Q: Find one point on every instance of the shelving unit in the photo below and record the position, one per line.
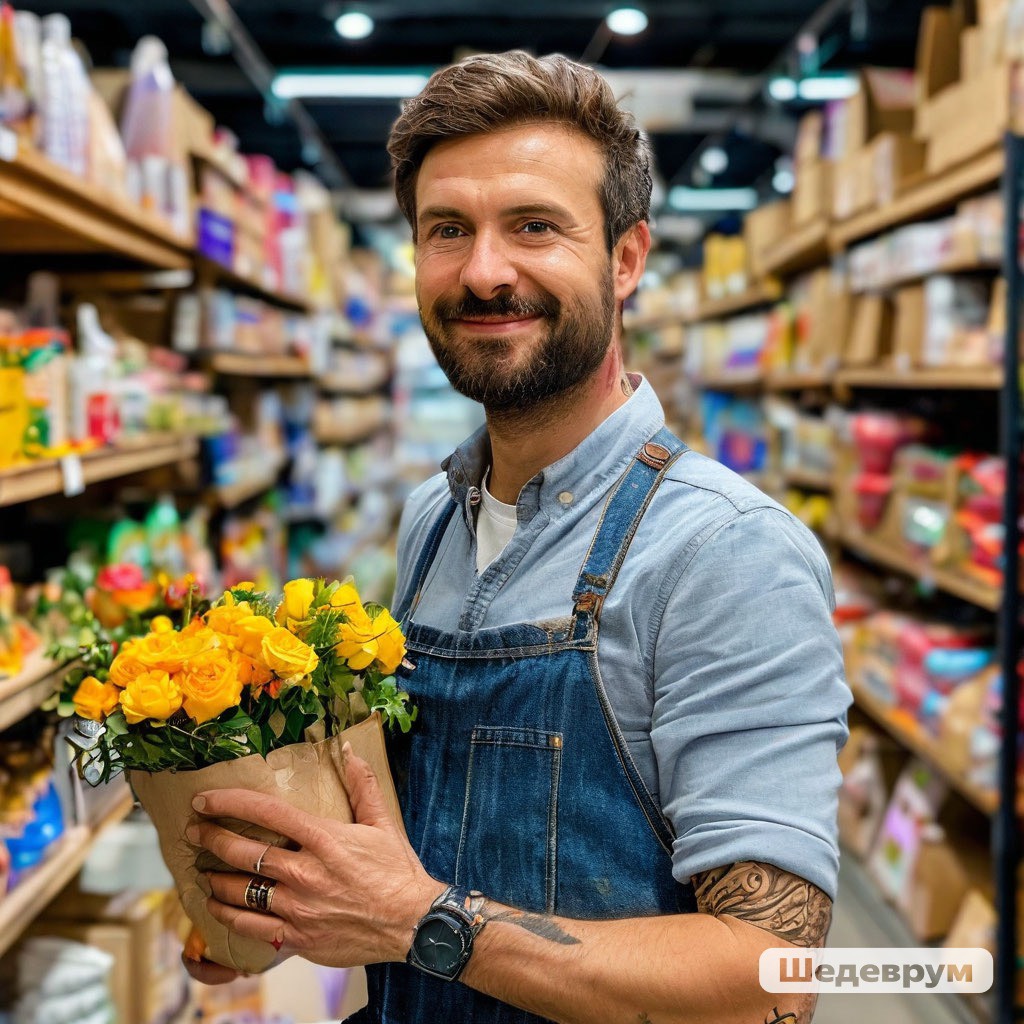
(966, 265)
(46, 209)
(970, 378)
(50, 476)
(63, 861)
(803, 247)
(761, 293)
(21, 694)
(808, 478)
(735, 380)
(348, 435)
(229, 496)
(210, 272)
(245, 364)
(791, 380)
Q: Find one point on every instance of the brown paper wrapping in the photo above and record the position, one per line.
(306, 775)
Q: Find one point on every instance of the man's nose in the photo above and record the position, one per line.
(489, 267)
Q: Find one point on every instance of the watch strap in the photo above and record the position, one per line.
(462, 905)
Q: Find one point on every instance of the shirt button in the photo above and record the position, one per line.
(565, 497)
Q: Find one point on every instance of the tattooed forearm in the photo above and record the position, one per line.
(535, 923)
(768, 897)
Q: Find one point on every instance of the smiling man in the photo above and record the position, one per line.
(621, 787)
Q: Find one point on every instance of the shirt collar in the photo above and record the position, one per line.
(597, 461)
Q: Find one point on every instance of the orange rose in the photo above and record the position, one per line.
(251, 672)
(210, 685)
(172, 651)
(125, 667)
(95, 700)
(153, 695)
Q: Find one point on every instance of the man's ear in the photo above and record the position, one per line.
(629, 258)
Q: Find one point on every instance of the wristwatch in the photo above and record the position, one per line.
(442, 941)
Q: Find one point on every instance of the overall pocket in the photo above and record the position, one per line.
(509, 840)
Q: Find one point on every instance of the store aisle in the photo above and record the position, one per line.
(862, 918)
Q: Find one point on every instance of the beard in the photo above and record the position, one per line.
(575, 341)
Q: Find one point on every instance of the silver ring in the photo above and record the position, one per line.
(269, 897)
(259, 859)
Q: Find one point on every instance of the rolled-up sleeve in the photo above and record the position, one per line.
(750, 701)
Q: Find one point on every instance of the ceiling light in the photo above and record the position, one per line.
(814, 89)
(626, 21)
(344, 85)
(714, 160)
(783, 90)
(354, 25)
(783, 181)
(712, 199)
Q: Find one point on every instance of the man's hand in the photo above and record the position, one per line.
(349, 896)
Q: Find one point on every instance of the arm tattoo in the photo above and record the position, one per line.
(535, 923)
(768, 897)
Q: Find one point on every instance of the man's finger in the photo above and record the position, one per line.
(208, 973)
(239, 852)
(364, 792)
(270, 812)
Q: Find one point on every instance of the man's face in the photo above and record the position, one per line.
(513, 277)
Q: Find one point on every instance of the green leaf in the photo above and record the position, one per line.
(116, 724)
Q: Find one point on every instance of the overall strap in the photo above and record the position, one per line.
(411, 595)
(620, 518)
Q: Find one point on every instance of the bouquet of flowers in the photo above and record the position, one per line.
(252, 692)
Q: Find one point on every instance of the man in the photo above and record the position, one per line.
(630, 692)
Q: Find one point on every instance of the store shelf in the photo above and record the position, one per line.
(347, 435)
(947, 580)
(762, 293)
(46, 209)
(230, 496)
(747, 380)
(20, 695)
(337, 385)
(51, 476)
(906, 731)
(211, 272)
(245, 364)
(980, 378)
(657, 321)
(812, 480)
(967, 265)
(803, 247)
(20, 907)
(930, 197)
(786, 380)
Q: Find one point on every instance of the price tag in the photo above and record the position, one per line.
(8, 145)
(74, 477)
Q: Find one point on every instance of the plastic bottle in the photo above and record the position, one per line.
(93, 405)
(28, 35)
(65, 110)
(15, 109)
(163, 532)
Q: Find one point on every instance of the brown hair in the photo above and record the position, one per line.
(488, 91)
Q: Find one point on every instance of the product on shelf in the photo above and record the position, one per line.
(870, 764)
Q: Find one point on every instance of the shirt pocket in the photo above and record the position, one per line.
(508, 844)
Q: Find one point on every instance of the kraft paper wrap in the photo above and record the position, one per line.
(306, 775)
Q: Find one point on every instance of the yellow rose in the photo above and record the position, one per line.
(251, 671)
(285, 654)
(357, 642)
(249, 634)
(224, 619)
(125, 667)
(390, 642)
(161, 624)
(298, 596)
(210, 685)
(346, 598)
(151, 695)
(96, 700)
(170, 652)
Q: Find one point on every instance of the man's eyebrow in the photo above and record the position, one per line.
(539, 210)
(439, 213)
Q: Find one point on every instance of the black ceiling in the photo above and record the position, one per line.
(742, 36)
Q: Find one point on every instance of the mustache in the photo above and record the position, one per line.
(470, 306)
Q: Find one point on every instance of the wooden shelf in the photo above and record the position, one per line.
(232, 495)
(46, 209)
(347, 435)
(958, 266)
(909, 733)
(657, 321)
(212, 272)
(31, 480)
(930, 197)
(20, 907)
(981, 378)
(245, 364)
(750, 380)
(794, 380)
(338, 385)
(811, 479)
(947, 580)
(762, 293)
(803, 247)
(20, 695)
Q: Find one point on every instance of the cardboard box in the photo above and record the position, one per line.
(938, 51)
(870, 336)
(762, 228)
(908, 327)
(883, 103)
(809, 139)
(812, 194)
(896, 163)
(870, 764)
(936, 887)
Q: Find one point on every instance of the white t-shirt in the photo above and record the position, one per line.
(495, 524)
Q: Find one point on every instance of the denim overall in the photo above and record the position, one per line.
(516, 780)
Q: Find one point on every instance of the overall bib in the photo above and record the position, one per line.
(515, 779)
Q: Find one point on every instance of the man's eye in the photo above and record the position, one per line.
(448, 231)
(536, 227)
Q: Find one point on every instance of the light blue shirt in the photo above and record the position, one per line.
(717, 649)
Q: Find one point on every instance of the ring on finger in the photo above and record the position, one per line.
(259, 860)
(259, 894)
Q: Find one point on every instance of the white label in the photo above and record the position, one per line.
(74, 477)
(8, 145)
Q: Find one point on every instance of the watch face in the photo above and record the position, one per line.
(439, 946)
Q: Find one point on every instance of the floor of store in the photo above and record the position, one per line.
(862, 918)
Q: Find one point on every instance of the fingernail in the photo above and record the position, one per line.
(192, 834)
(346, 749)
(199, 803)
